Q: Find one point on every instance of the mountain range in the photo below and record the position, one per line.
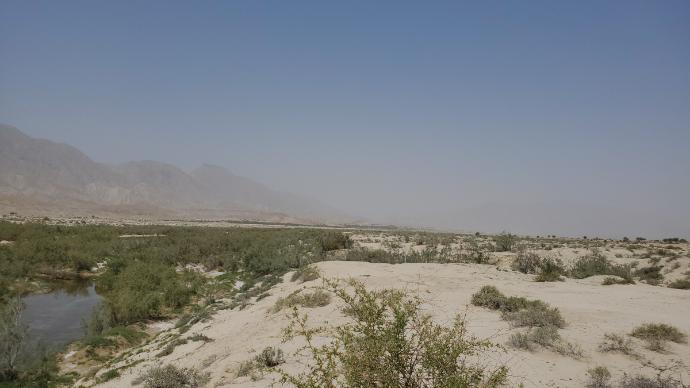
(44, 177)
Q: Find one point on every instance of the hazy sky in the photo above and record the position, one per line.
(542, 117)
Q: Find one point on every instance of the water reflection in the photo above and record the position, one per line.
(56, 319)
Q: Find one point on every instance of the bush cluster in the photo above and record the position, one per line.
(390, 343)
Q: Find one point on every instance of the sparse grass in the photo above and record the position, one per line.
(317, 298)
(599, 377)
(170, 376)
(658, 334)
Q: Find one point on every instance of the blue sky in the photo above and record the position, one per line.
(485, 115)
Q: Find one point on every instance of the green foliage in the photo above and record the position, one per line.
(519, 311)
(331, 241)
(389, 342)
(170, 376)
(12, 337)
(550, 270)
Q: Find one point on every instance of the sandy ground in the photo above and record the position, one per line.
(590, 309)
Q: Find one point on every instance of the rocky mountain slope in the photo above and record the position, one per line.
(38, 175)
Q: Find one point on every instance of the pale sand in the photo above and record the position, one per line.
(590, 309)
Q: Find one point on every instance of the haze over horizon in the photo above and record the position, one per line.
(543, 118)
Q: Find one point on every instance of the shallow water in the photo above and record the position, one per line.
(56, 319)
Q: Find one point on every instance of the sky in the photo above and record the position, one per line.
(534, 117)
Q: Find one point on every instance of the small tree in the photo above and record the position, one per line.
(505, 241)
(390, 343)
(12, 335)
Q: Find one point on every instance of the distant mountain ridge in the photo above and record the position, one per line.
(44, 175)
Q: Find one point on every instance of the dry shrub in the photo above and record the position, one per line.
(305, 274)
(170, 376)
(317, 298)
(599, 377)
(616, 343)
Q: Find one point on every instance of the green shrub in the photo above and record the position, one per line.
(12, 338)
(331, 241)
(170, 376)
(550, 270)
(390, 343)
(597, 264)
(505, 242)
(519, 311)
(489, 297)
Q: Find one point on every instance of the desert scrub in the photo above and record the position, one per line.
(640, 381)
(526, 262)
(305, 274)
(550, 270)
(317, 298)
(517, 310)
(599, 377)
(505, 242)
(170, 376)
(616, 280)
(269, 358)
(658, 334)
(616, 343)
(681, 284)
(389, 342)
(652, 275)
(597, 264)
